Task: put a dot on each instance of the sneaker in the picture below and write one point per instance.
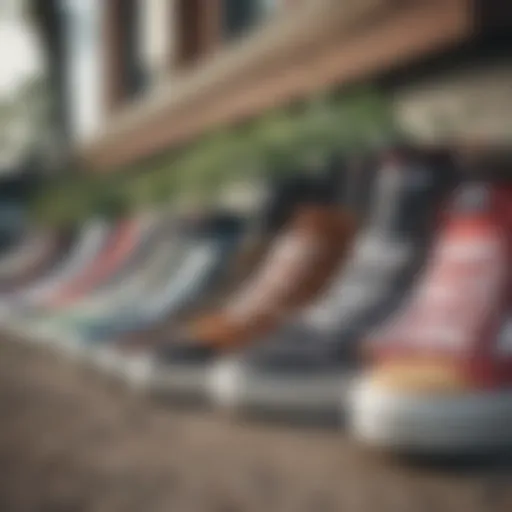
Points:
(441, 376)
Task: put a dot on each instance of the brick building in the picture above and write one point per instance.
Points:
(143, 76)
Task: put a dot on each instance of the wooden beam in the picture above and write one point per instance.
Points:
(405, 32)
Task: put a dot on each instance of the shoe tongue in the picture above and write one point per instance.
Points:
(406, 198)
(473, 198)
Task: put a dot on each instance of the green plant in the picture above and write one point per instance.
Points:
(279, 141)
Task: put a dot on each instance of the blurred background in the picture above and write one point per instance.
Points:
(94, 87)
(111, 107)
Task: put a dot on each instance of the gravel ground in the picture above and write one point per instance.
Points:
(71, 441)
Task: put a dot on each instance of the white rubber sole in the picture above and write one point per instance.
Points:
(233, 386)
(134, 370)
(457, 424)
(105, 359)
(62, 341)
(181, 382)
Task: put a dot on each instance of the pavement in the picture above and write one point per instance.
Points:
(72, 441)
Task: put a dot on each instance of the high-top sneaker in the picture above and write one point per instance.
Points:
(88, 244)
(32, 261)
(304, 255)
(441, 379)
(117, 251)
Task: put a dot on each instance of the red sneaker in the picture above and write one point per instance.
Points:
(441, 379)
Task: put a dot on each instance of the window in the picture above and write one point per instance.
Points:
(239, 16)
(131, 62)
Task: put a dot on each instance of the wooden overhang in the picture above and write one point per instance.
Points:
(325, 43)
